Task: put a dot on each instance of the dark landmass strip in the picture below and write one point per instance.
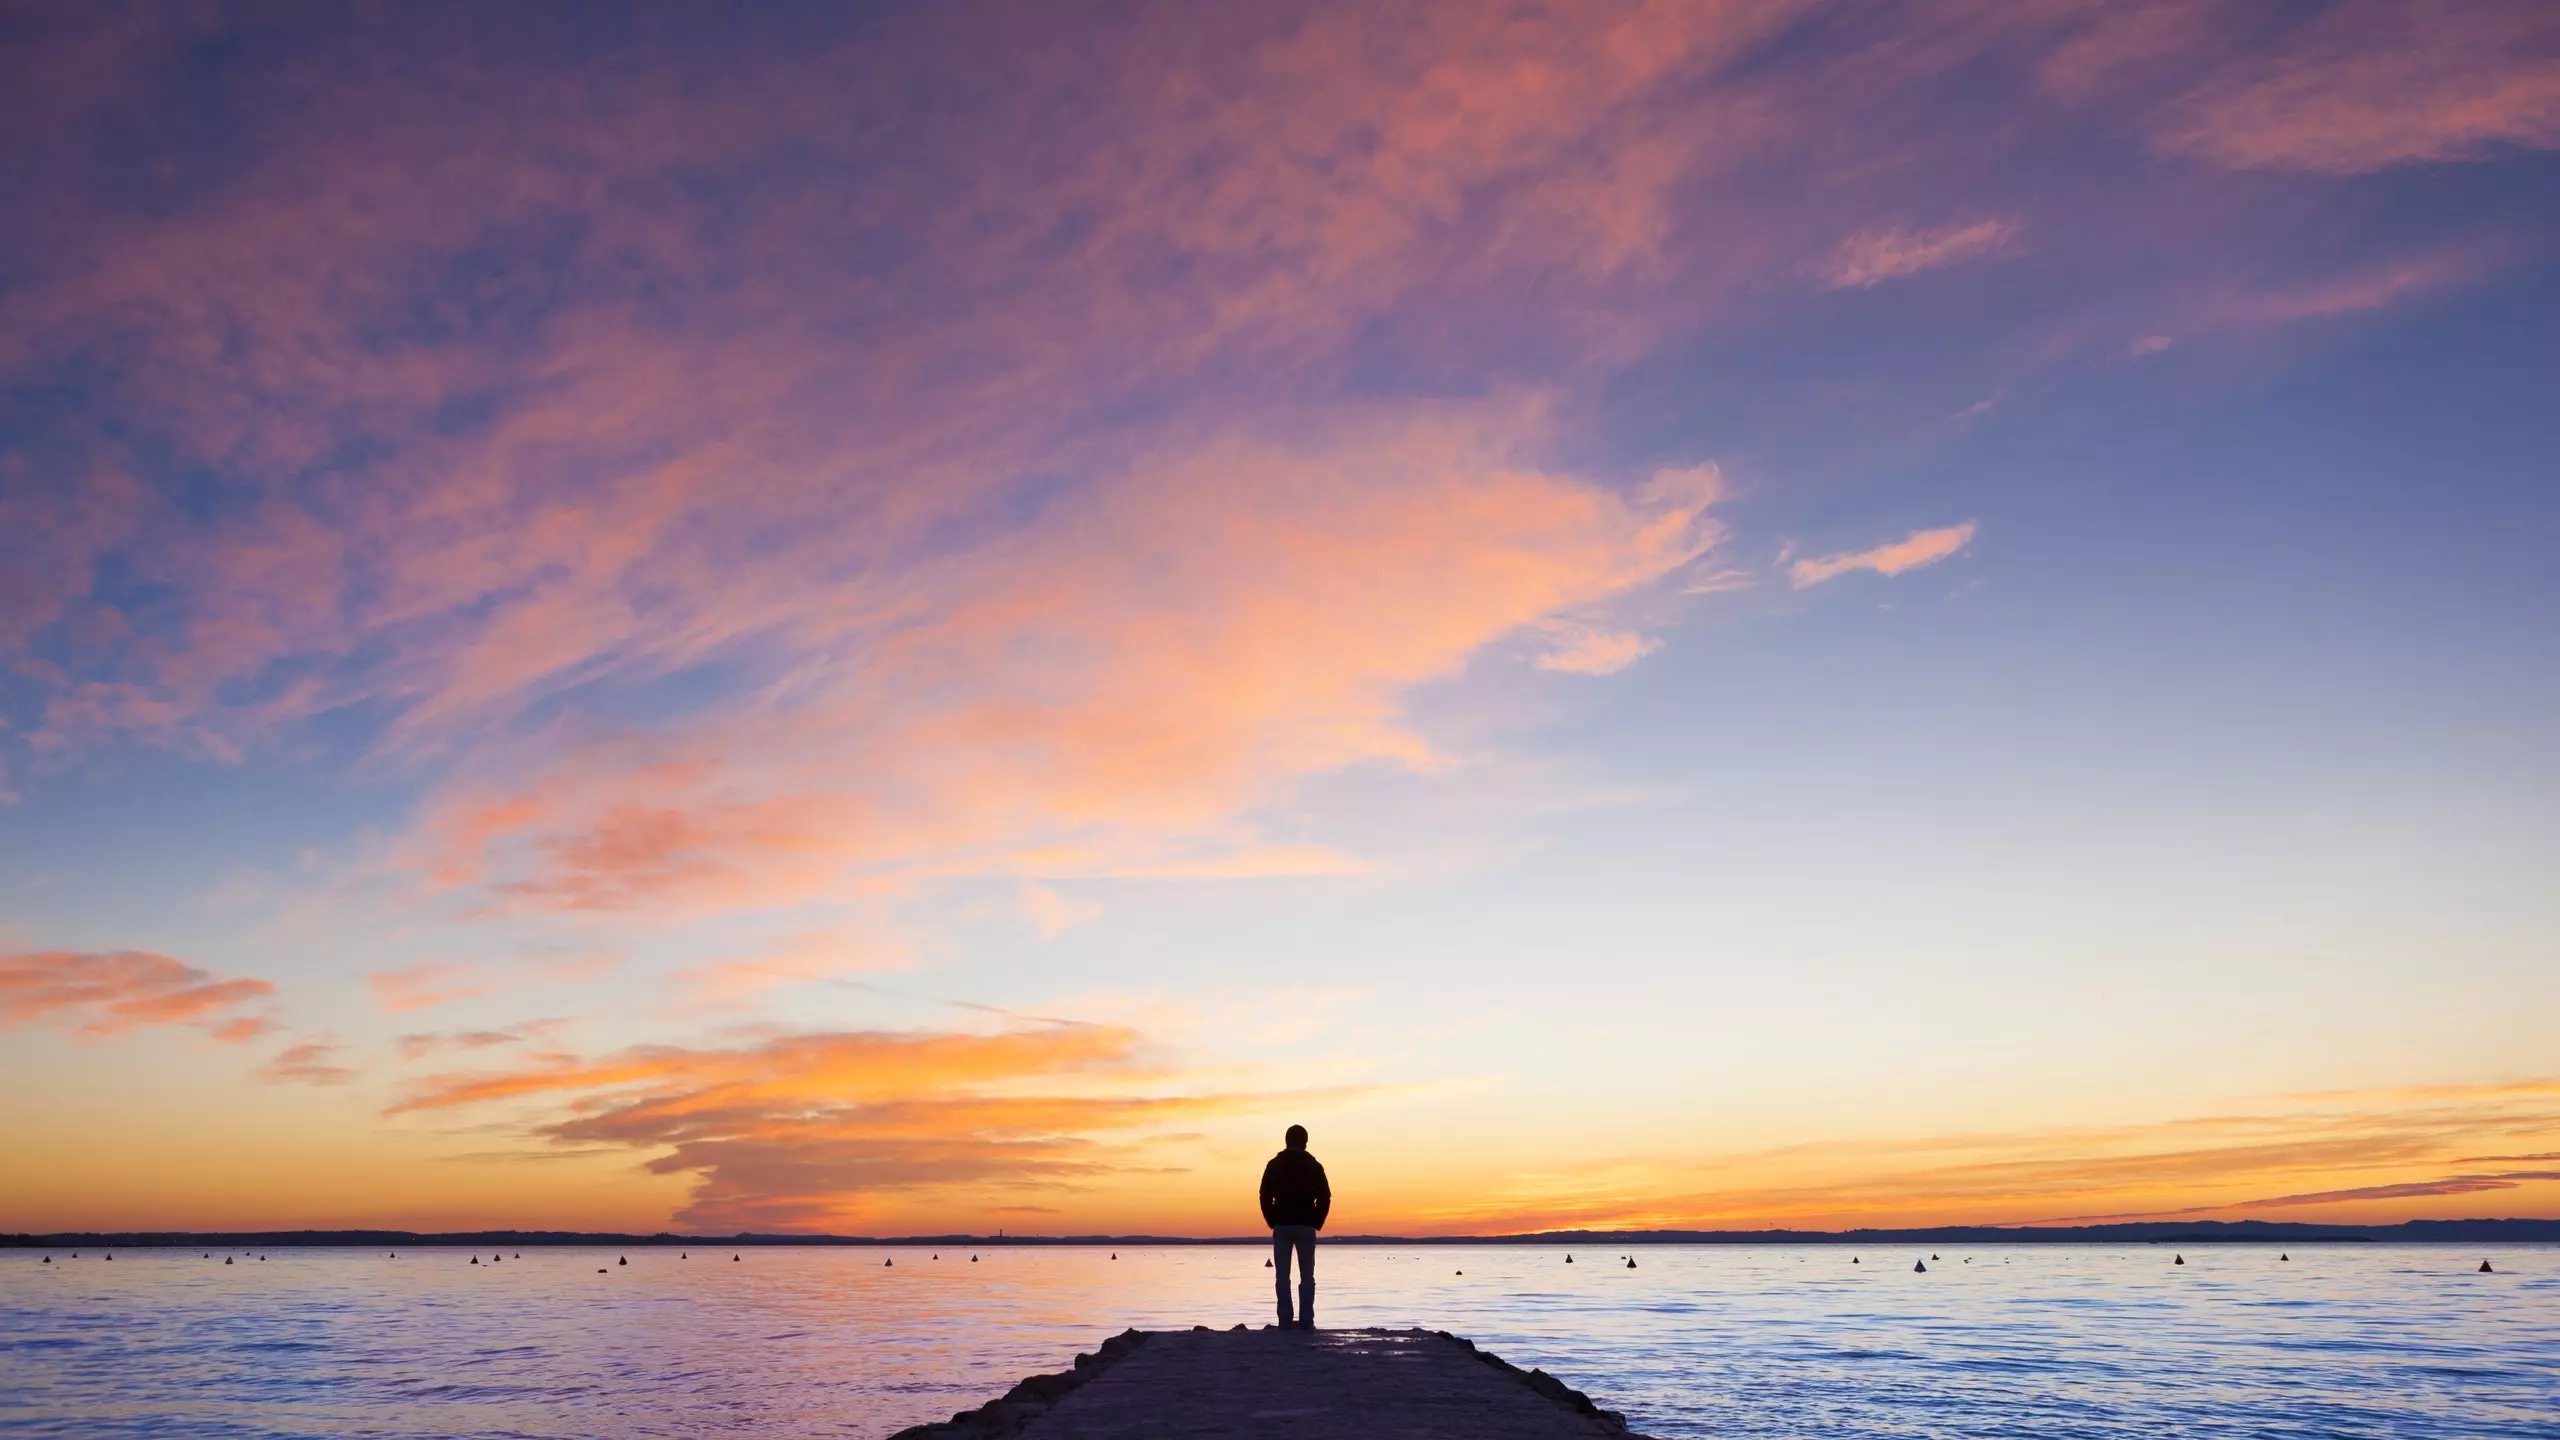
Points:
(2149, 1232)
(1269, 1384)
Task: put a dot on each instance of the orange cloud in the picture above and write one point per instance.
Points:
(812, 1131)
(799, 959)
(429, 983)
(1871, 257)
(425, 984)
(107, 993)
(314, 1062)
(2394, 1147)
(1126, 681)
(1920, 547)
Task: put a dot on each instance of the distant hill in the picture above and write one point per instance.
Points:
(2148, 1232)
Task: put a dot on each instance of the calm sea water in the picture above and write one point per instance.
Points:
(1722, 1341)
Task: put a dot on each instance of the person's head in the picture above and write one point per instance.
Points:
(1297, 1137)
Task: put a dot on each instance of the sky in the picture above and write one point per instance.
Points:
(940, 618)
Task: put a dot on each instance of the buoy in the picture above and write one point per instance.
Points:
(494, 1259)
(2181, 1260)
(1568, 1259)
(1920, 1267)
(684, 1254)
(625, 1260)
(601, 1270)
(974, 1260)
(108, 1257)
(733, 1259)
(1933, 1256)
(1115, 1254)
(1853, 1259)
(1265, 1264)
(2284, 1257)
(226, 1259)
(475, 1259)
(885, 1264)
(2485, 1270)
(49, 1260)
(1462, 1272)
(1631, 1262)
(938, 1255)
(519, 1254)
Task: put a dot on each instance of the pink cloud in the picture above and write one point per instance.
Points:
(1920, 547)
(429, 983)
(108, 993)
(1173, 650)
(313, 1062)
(1871, 257)
(1589, 650)
(2368, 288)
(426, 984)
(2344, 88)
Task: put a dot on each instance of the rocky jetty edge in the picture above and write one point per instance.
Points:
(1007, 1415)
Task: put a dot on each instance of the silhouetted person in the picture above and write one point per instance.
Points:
(1295, 1199)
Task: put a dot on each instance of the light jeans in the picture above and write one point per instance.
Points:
(1301, 1238)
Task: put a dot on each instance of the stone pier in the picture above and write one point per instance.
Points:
(1270, 1384)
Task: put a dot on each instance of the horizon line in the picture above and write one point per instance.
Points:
(2148, 1231)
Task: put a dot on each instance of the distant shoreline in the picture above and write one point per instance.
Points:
(2203, 1232)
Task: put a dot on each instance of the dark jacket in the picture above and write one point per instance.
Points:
(1294, 1190)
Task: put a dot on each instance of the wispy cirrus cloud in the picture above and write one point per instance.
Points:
(426, 984)
(312, 1062)
(2344, 87)
(1919, 548)
(101, 993)
(1872, 257)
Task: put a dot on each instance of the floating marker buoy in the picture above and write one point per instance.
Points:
(226, 1259)
(49, 1260)
(519, 1254)
(974, 1260)
(2485, 1270)
(733, 1259)
(1568, 1259)
(1115, 1254)
(107, 1257)
(475, 1259)
(261, 1259)
(1265, 1264)
(1853, 1259)
(1933, 1256)
(886, 1264)
(625, 1260)
(2181, 1260)
(1920, 1267)
(938, 1255)
(494, 1259)
(1631, 1262)
(2284, 1257)
(1462, 1272)
(684, 1254)
(601, 1270)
